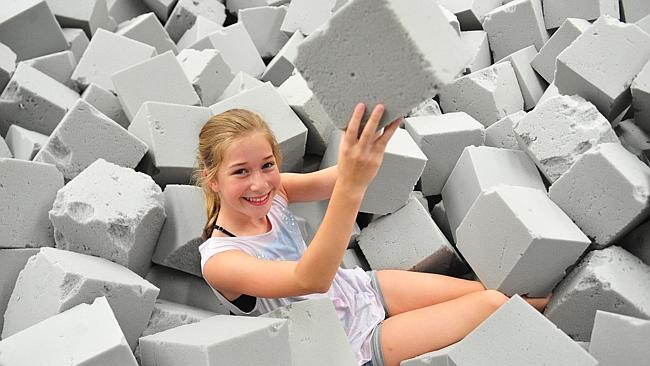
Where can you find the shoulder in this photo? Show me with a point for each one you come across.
(282, 193)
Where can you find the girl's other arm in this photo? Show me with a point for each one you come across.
(306, 187)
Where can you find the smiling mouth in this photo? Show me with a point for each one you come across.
(258, 201)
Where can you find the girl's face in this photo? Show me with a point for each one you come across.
(248, 177)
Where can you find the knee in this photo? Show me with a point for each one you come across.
(494, 299)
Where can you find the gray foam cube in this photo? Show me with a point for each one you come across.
(477, 42)
(241, 82)
(162, 8)
(442, 139)
(436, 358)
(480, 168)
(400, 170)
(637, 242)
(559, 131)
(34, 100)
(159, 79)
(306, 16)
(500, 134)
(122, 10)
(85, 334)
(316, 335)
(619, 340)
(87, 15)
(470, 13)
(263, 25)
(623, 49)
(634, 139)
(611, 280)
(28, 192)
(518, 241)
(147, 29)
(30, 29)
(59, 66)
(209, 74)
(186, 12)
(111, 212)
(12, 261)
(85, 135)
(281, 66)
(23, 143)
(426, 108)
(106, 102)
(532, 86)
(220, 340)
(303, 102)
(7, 65)
(634, 10)
(515, 25)
(171, 131)
(557, 11)
(201, 28)
(285, 124)
(184, 288)
(74, 279)
(606, 192)
(439, 215)
(4, 149)
(77, 41)
(517, 334)
(408, 239)
(100, 61)
(487, 95)
(180, 235)
(382, 39)
(641, 98)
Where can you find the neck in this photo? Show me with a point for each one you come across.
(242, 225)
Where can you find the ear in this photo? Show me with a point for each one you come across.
(214, 186)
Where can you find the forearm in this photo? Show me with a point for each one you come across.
(321, 260)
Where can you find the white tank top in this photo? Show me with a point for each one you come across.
(355, 300)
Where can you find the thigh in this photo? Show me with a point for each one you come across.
(427, 329)
(406, 290)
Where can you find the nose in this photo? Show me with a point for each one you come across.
(258, 182)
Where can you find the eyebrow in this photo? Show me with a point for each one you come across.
(244, 163)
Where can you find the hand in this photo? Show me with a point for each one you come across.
(360, 155)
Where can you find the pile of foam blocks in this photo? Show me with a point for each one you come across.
(523, 163)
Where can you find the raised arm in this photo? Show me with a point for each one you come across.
(305, 187)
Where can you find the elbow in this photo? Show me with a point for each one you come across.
(313, 288)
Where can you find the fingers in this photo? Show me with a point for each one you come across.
(389, 131)
(370, 129)
(352, 131)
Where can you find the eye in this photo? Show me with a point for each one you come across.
(268, 165)
(238, 171)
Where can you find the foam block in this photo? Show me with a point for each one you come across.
(78, 278)
(641, 98)
(159, 79)
(171, 131)
(306, 16)
(281, 66)
(634, 10)
(557, 11)
(400, 170)
(500, 134)
(209, 74)
(634, 140)
(221, 339)
(123, 10)
(480, 168)
(184, 288)
(236, 47)
(81, 335)
(7, 65)
(611, 280)
(77, 41)
(439, 215)
(470, 13)
(559, 130)
(23, 143)
(85, 135)
(644, 24)
(34, 101)
(12, 262)
(147, 29)
(185, 13)
(518, 241)
(111, 212)
(263, 24)
(234, 6)
(414, 36)
(451, 18)
(442, 139)
(286, 126)
(517, 334)
(106, 102)
(606, 192)
(637, 242)
(59, 66)
(436, 358)
(180, 235)
(30, 29)
(426, 108)
(201, 28)
(487, 95)
(352, 258)
(29, 189)
(618, 339)
(477, 43)
(87, 15)
(303, 102)
(242, 81)
(316, 335)
(4, 149)
(515, 25)
(100, 61)
(532, 86)
(418, 245)
(544, 61)
(621, 50)
(162, 8)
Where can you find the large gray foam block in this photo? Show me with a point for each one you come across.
(620, 340)
(27, 192)
(517, 334)
(12, 262)
(367, 45)
(73, 279)
(83, 335)
(220, 340)
(111, 212)
(611, 280)
(316, 334)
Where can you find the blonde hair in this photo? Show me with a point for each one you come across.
(218, 133)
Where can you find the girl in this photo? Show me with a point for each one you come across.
(255, 259)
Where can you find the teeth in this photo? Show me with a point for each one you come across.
(256, 199)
